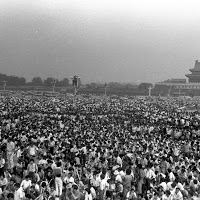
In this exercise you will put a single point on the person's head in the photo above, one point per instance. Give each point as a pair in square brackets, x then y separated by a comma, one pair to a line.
[75, 187]
[32, 188]
[10, 196]
[169, 170]
[190, 177]
[68, 186]
[132, 188]
[69, 174]
[173, 185]
[52, 188]
[31, 161]
[28, 196]
[177, 190]
[167, 193]
[11, 182]
[2, 177]
[46, 193]
[43, 184]
[128, 171]
[156, 194]
[27, 178]
[102, 176]
[59, 164]
[17, 186]
[195, 181]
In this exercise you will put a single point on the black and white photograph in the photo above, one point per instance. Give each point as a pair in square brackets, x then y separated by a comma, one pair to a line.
[99, 100]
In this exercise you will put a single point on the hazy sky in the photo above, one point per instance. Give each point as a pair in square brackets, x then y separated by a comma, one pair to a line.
[99, 40]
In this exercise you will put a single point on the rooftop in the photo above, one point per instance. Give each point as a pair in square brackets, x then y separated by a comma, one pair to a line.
[197, 65]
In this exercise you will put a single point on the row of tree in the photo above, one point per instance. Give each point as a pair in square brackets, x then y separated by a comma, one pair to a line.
[12, 80]
[36, 81]
[48, 82]
[116, 85]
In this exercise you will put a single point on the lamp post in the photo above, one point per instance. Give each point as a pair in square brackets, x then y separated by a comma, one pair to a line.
[150, 88]
[105, 92]
[179, 93]
[75, 83]
[53, 85]
[170, 88]
[4, 85]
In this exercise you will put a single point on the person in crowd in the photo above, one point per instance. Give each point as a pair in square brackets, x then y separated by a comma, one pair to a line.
[58, 178]
[2, 164]
[32, 169]
[10, 153]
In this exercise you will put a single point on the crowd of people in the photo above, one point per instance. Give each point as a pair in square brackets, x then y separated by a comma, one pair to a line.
[98, 149]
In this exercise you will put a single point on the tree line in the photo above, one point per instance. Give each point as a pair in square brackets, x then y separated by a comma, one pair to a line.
[116, 85]
[36, 81]
[65, 82]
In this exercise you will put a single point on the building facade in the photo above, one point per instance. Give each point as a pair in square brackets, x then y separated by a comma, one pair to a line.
[181, 87]
[194, 77]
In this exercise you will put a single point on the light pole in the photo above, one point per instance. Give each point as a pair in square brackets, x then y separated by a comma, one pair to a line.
[75, 82]
[150, 88]
[179, 93]
[4, 85]
[105, 92]
[170, 88]
[53, 85]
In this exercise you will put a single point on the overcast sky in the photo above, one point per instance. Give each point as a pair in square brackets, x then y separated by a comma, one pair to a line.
[99, 40]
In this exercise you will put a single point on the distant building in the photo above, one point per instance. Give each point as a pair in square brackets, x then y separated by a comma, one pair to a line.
[174, 89]
[175, 80]
[195, 76]
[179, 87]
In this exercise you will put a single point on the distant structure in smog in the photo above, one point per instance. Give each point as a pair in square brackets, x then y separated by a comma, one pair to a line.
[177, 87]
[195, 76]
[75, 83]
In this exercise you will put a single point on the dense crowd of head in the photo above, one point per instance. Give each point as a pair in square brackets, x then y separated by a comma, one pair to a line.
[98, 149]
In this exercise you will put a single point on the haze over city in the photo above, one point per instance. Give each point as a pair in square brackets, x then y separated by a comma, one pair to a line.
[99, 40]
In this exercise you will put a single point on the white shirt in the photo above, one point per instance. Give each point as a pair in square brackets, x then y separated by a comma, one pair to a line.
[118, 178]
[150, 174]
[122, 173]
[26, 184]
[19, 194]
[119, 161]
[93, 192]
[10, 147]
[106, 176]
[169, 187]
[53, 166]
[19, 153]
[178, 196]
[42, 162]
[179, 185]
[88, 196]
[164, 186]
[103, 184]
[176, 151]
[84, 149]
[165, 197]
[171, 177]
[32, 150]
[2, 162]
